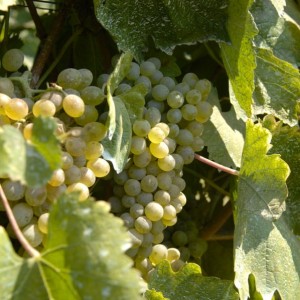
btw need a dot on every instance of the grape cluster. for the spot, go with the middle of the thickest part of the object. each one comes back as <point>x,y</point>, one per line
<point>149,193</point>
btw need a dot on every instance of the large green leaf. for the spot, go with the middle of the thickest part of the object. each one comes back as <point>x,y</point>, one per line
<point>168,23</point>
<point>188,283</point>
<point>224,134</point>
<point>264,244</point>
<point>30,163</point>
<point>239,57</point>
<point>83,259</point>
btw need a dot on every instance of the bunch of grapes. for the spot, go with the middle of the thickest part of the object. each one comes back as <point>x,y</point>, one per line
<point>149,193</point>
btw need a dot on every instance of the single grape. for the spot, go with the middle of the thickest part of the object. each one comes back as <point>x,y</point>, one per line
<point>204,111</point>
<point>162,197</point>
<point>198,144</point>
<point>138,145</point>
<point>141,127</point>
<point>174,115</point>
<point>195,128</point>
<point>72,174</point>
<point>90,115</point>
<point>154,211</point>
<point>156,135</point>
<point>136,238</point>
<point>159,253</point>
<point>33,235</point>
<point>53,192</point>
<point>157,227</point>
<point>7,87</point>
<point>35,196</point>
<point>204,86</point>
<point>69,79</point>
<point>180,182</point>
<point>189,112</point>
<point>86,78</point>
<point>27,131</point>
<point>153,116</point>
<point>4,99</point>
<point>144,198</point>
<point>128,201</point>
<point>93,150</point>
<point>132,187</point>
<point>153,168</point>
<point>175,99</point>
<point>16,109</point>
<point>92,95</point>
<point>76,146</point>
<point>142,160</point>
<point>43,222</point>
<point>57,178</point>
<point>73,106</point>
<point>191,79</point>
<point>99,166</point>
<point>169,212</point>
<point>156,61</point>
<point>13,190</point>
<point>145,81</point>
<point>149,184</point>
<point>174,130</point>
<point>134,72</point>
<point>159,150</point>
<point>44,107</point>
<point>23,213</point>
<point>137,173</point>
<point>143,225</point>
<point>122,88</point>
<point>171,144</point>
<point>173,254</point>
<point>184,137</point>
<point>187,153</point>
<point>80,188</point>
<point>102,80</point>
<point>167,163</point>
<point>147,68</point>
<point>158,238</point>
<point>168,82</point>
<point>13,60</point>
<point>94,131</point>
<point>55,97</point>
<point>182,87</point>
<point>160,92</point>
<point>159,105</point>
<point>87,177</point>
<point>164,181</point>
<point>66,160</point>
<point>127,219</point>
<point>136,210</point>
<point>198,248</point>
<point>79,161</point>
<point>156,76</point>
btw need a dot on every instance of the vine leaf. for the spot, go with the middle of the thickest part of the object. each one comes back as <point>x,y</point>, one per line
<point>239,57</point>
<point>168,23</point>
<point>264,244</point>
<point>76,262</point>
<point>30,163</point>
<point>224,134</point>
<point>188,283</point>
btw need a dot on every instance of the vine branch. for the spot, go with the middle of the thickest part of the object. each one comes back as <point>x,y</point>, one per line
<point>28,248</point>
<point>216,165</point>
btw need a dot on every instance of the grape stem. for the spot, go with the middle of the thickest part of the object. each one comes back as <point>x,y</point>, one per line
<point>216,165</point>
<point>27,247</point>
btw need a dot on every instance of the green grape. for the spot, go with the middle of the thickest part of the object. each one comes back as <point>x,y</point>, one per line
<point>13,190</point>
<point>175,99</point>
<point>27,131</point>
<point>99,166</point>
<point>138,145</point>
<point>198,144</point>
<point>53,192</point>
<point>198,248</point>
<point>177,205</point>
<point>127,201</point>
<point>141,127</point>
<point>69,79</point>
<point>167,163</point>
<point>16,109</point>
<point>29,103</point>
<point>35,196</point>
<point>158,254</point>
<point>87,177</point>
<point>180,182</point>
<point>102,80</point>
<point>189,112</point>
<point>182,198</point>
<point>174,115</point>
<point>149,184</point>
<point>41,209</point>
<point>136,210</point>
<point>72,92</point>
<point>182,87</point>
<point>153,116</point>
<point>170,222</point>
<point>66,160</point>
<point>157,227</point>
<point>174,130</point>
<point>145,250</point>
<point>7,87</point>
<point>80,188</point>
<point>164,181</point>
<point>159,150</point>
<point>4,99</point>
<point>57,178</point>
<point>43,222</point>
<point>158,238</point>
<point>168,82</point>
<point>93,150</point>
<point>136,238</point>
<point>118,191</point>
<point>204,86</point>
<point>132,187</point>
<point>195,128</point>
<point>4,120</point>
<point>145,81</point>
<point>156,135</point>
<point>72,175</point>
<point>13,60</point>
<point>127,219</point>
<point>134,72</point>
<point>90,115</point>
<point>204,111</point>
<point>86,78</point>
<point>171,144</point>
<point>132,252</point>
<point>122,88</point>
<point>191,79</point>
<point>187,153</point>
<point>144,198</point>
<point>33,235</point>
<point>184,137</point>
<point>156,77</point>
<point>79,161</point>
<point>162,197</point>
<point>142,225</point>
<point>164,127</point>
<point>121,178</point>
<point>154,211</point>
<point>115,205</point>
<point>160,92</point>
<point>156,61</point>
<point>137,173</point>
<point>73,106</point>
<point>92,95</point>
<point>94,131</point>
<point>159,105</point>
<point>76,146</point>
<point>193,97</point>
<point>142,160</point>
<point>23,213</point>
<point>153,168</point>
<point>185,253</point>
<point>173,254</point>
<point>147,68</point>
<point>55,97</point>
<point>43,107</point>
<point>169,212</point>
